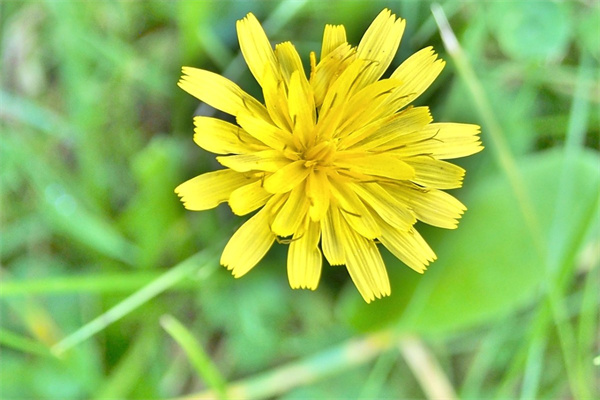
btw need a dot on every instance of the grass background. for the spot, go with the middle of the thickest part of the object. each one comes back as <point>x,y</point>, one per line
<point>110,289</point>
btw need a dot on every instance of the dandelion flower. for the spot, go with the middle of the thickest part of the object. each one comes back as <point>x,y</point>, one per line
<point>336,162</point>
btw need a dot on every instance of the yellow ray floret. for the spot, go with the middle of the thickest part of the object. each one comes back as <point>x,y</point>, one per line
<point>334,162</point>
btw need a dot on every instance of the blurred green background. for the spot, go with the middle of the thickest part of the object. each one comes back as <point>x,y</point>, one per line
<point>100,299</point>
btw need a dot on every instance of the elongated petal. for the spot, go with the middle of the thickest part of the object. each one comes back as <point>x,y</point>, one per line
<point>390,209</point>
<point>220,92</point>
<point>368,100</point>
<point>418,73</point>
<point>266,160</point>
<point>364,264</point>
<point>248,245</point>
<point>255,46</point>
<point>275,94</point>
<point>354,211</point>
<point>436,174</point>
<point>267,133</point>
<point>208,190</point>
<point>442,141</point>
<point>380,42</point>
<point>286,178</point>
<point>390,133</point>
<point>333,36</point>
<point>289,61</point>
<point>292,214</point>
<point>302,107</point>
<point>248,198</point>
<point>304,258</point>
<point>221,137</point>
<point>318,193</point>
<point>330,243</point>
<point>325,74</point>
<point>409,247</point>
<point>377,164</point>
<point>334,103</point>
<point>434,207</point>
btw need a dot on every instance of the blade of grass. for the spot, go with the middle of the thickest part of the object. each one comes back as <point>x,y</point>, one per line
<point>355,351</point>
<point>557,247</point>
<point>588,325</point>
<point>491,126</point>
<point>485,359</point>
<point>131,366</point>
<point>202,263</point>
<point>576,130</point>
<point>196,355</point>
<point>427,369</point>
<point>507,163</point>
<point>533,368</point>
<point>22,343</point>
<point>378,375</point>
<point>96,283</point>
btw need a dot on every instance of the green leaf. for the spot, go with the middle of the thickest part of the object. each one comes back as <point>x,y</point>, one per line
<point>488,267</point>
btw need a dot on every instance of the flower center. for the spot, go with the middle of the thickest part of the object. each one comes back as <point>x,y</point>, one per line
<point>320,154</point>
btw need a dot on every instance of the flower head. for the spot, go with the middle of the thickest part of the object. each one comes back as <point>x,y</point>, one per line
<point>334,162</point>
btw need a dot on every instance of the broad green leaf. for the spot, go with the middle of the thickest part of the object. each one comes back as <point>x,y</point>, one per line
<point>489,267</point>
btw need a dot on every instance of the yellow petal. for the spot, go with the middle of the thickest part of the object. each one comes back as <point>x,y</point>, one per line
<point>330,243</point>
<point>289,61</point>
<point>353,210</point>
<point>389,208</point>
<point>376,164</point>
<point>275,94</point>
<point>368,101</point>
<point>248,198</point>
<point>436,174</point>
<point>291,215</point>
<point>304,258</point>
<point>255,47</point>
<point>434,207</point>
<point>267,133</point>
<point>248,245</point>
<point>286,178</point>
<point>391,133</point>
<point>266,160</point>
<point>409,247</point>
<point>364,264</point>
<point>220,92</point>
<point>442,141</point>
<point>335,101</point>
<point>333,37</point>
<point>208,190</point>
<point>221,137</point>
<point>302,108</point>
<point>418,72</point>
<point>380,43</point>
<point>317,191</point>
<point>324,74</point>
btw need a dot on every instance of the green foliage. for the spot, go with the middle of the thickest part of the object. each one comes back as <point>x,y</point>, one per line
<point>96,250</point>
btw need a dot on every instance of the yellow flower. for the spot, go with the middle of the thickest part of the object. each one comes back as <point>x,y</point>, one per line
<point>335,162</point>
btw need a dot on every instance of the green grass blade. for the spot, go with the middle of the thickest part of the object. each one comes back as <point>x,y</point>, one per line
<point>24,344</point>
<point>491,127</point>
<point>355,351</point>
<point>90,283</point>
<point>196,355</point>
<point>131,366</point>
<point>202,262</point>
